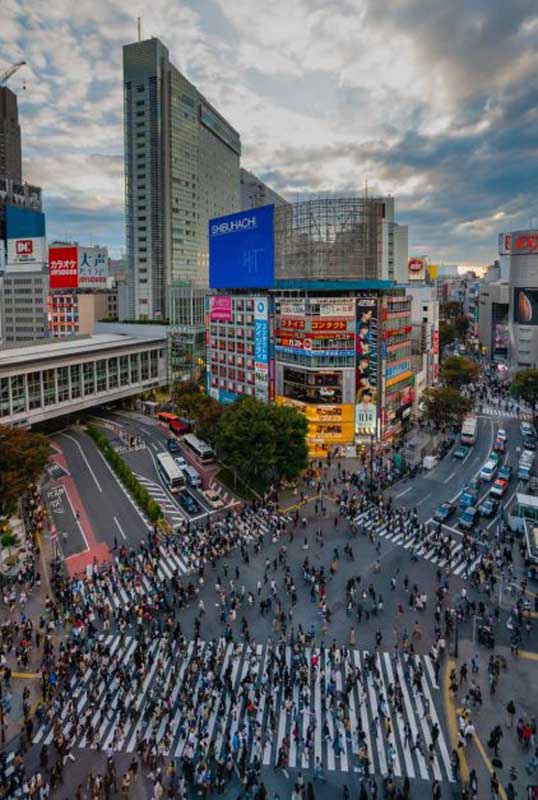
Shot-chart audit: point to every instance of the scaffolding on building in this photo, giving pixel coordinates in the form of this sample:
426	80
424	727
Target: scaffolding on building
329	238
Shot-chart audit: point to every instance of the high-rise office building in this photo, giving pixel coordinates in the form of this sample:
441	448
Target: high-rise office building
10	136
255	192
181	169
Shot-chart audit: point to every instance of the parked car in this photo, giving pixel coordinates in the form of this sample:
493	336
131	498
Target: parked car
173	446
213	498
499	446
499	487
468	518
443	511
461	451
488	507
505	473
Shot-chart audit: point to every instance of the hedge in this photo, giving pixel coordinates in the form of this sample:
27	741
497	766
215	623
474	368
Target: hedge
129	480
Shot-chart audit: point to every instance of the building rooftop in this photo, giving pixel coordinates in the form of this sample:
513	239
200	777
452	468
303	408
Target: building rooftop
76	346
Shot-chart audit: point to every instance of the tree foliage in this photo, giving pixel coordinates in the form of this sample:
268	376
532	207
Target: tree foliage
207	419
457	371
447	333
23	457
262	442
461	325
525	386
450	310
445	405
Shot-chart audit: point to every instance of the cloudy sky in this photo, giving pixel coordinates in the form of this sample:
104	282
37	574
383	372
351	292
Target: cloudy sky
435	102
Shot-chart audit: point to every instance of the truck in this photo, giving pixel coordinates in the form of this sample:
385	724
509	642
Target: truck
468	430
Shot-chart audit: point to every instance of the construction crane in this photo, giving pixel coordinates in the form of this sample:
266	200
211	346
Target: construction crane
5	76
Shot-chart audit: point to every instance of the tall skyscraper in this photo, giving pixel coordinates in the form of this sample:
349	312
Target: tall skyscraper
255	192
181	169
10	136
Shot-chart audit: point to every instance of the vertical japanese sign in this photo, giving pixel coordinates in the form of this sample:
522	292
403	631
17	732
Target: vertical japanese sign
366	369
261	347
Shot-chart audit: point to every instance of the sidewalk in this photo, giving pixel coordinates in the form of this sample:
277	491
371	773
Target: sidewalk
517	683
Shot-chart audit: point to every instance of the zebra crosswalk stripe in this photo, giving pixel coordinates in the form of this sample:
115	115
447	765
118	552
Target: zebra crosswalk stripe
87	707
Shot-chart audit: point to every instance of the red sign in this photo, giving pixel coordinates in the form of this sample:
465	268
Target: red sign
63	267
24	247
329	324
527	241
292	324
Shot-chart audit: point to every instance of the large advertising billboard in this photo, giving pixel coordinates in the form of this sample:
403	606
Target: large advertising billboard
220	308
241	250
526	306
92	267
63	267
524	242
25	235
366	346
416	268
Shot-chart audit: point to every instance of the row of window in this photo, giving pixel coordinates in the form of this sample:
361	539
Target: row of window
22	393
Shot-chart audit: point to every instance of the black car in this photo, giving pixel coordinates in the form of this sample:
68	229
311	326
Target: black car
529	443
189	504
443	511
488	507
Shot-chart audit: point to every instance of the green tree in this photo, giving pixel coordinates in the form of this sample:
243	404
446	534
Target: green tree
525	386
23	457
450	310
447	333
245	441
444	405
208	419
457	371
291	451
461	324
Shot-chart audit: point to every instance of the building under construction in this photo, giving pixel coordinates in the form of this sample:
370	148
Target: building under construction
335	238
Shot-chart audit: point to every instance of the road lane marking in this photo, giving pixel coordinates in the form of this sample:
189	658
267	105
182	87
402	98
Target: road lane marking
120	528
405	491
82	453
449	478
423	499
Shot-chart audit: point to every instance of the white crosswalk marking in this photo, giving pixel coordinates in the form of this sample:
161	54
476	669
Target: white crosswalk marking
452	557
495	411
117	707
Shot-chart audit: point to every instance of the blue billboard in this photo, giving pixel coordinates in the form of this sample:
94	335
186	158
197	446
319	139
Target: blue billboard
241	250
24	223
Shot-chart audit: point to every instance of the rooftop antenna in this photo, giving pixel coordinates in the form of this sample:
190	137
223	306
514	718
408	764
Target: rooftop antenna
139	27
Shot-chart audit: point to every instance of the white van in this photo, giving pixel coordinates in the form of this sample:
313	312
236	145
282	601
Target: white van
489	470
193	479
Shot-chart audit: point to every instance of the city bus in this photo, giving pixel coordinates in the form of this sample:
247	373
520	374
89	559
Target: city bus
173	422
201	450
468	430
169	470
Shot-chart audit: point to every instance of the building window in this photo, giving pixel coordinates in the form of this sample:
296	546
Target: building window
63	384
4	397
18	393
89	378
144	366
49	387
112	373
135	373
101	375
154	364
124	370
75	381
34	390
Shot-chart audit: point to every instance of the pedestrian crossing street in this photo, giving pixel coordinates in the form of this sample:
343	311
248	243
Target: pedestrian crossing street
403	534
121	590
235	707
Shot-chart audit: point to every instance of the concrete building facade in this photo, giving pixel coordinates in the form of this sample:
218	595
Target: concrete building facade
50	379
24	306
256	193
181	169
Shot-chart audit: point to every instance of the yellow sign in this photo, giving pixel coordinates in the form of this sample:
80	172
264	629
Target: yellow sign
329	413
433	271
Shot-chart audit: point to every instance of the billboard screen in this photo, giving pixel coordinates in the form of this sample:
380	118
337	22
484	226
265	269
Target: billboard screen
25	234
366	344
416	268
63	267
220	309
241	250
92	267
524	242
526	306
